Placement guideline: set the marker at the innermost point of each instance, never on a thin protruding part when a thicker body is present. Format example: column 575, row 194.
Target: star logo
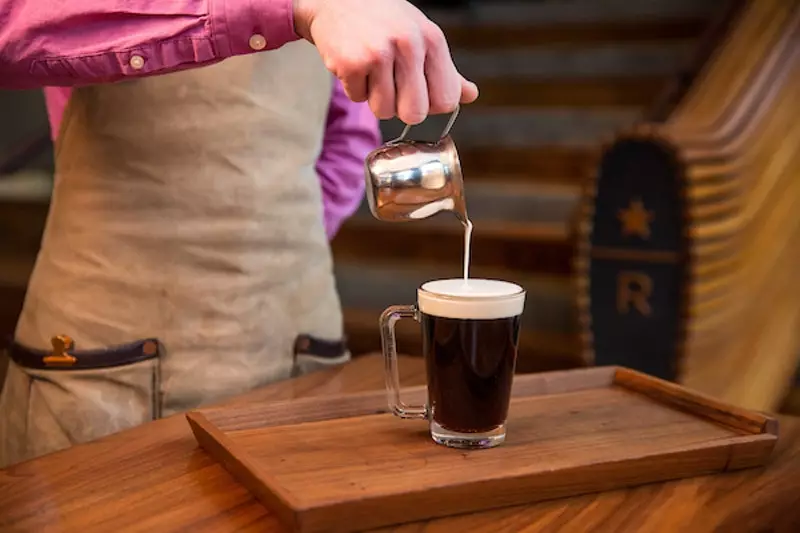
column 636, row 219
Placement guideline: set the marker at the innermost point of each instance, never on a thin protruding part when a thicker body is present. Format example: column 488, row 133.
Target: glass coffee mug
column 470, row 333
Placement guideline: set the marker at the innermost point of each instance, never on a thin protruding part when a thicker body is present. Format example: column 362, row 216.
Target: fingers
column 389, row 54
column 382, row 86
column 413, row 101
column 434, row 85
column 469, row 91
column 410, row 78
column 355, row 87
column 350, row 70
column 443, row 80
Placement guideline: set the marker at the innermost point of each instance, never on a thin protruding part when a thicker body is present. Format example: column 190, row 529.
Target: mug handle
column 389, row 342
column 444, row 134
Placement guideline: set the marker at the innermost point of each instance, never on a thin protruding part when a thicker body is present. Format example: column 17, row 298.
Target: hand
column 387, row 52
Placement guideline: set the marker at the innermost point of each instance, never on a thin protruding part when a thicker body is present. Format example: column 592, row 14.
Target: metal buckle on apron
column 61, row 345
column 65, row 357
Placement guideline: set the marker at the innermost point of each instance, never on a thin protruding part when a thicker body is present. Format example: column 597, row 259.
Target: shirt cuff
column 246, row 26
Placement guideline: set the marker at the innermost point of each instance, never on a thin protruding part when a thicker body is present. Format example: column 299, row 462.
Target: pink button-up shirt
column 59, row 44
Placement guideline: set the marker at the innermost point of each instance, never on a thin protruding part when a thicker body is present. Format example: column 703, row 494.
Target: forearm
column 94, row 41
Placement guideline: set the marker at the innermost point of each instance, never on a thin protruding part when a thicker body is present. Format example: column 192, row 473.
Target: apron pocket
column 77, row 396
column 312, row 354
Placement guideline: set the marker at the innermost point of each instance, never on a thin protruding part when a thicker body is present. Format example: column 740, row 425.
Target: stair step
column 27, row 186
column 598, row 92
column 544, row 13
column 23, row 118
column 518, row 226
column 495, row 200
column 549, row 334
column 561, row 164
column 489, row 36
column 521, row 226
column 22, row 223
column 11, row 299
column 523, row 127
column 525, row 247
column 538, row 351
column 15, row 269
column 550, row 306
column 561, row 62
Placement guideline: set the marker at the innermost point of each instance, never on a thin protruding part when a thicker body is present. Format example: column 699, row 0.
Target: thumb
column 469, row 91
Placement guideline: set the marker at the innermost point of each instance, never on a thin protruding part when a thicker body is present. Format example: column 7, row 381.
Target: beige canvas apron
column 187, row 210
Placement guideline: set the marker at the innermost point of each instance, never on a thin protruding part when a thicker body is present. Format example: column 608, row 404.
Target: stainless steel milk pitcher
column 411, row 180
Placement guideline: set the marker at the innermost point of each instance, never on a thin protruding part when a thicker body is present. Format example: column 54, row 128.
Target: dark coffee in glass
column 470, row 339
column 470, row 366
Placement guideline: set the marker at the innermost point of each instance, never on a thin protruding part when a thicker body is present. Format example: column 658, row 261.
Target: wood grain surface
column 347, row 464
column 156, row 478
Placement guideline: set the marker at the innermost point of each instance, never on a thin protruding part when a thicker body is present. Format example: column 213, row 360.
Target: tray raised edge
column 210, row 424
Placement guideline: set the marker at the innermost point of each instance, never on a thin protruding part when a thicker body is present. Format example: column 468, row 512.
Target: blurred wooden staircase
column 556, row 79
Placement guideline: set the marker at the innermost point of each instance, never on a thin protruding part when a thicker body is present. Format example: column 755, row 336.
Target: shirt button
column 136, row 62
column 258, row 42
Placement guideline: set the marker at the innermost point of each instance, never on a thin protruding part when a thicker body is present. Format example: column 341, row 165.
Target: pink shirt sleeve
column 352, row 132
column 92, row 41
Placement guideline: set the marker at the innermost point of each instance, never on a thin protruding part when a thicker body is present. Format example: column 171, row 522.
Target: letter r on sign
column 634, row 288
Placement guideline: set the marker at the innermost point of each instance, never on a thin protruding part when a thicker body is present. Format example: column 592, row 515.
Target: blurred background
column 586, row 107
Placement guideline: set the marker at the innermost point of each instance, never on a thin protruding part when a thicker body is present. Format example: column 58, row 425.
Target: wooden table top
column 154, row 478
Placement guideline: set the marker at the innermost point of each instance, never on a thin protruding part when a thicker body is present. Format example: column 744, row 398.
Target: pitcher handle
column 444, row 134
column 388, row 339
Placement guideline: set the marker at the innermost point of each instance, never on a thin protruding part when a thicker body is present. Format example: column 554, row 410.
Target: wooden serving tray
column 343, row 463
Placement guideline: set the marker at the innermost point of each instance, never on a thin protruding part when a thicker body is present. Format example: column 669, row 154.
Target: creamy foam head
column 479, row 299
